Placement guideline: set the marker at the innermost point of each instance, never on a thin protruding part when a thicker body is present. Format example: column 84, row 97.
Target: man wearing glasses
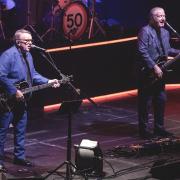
column 16, row 65
column 153, row 45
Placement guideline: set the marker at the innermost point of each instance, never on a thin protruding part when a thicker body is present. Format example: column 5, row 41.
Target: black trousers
column 151, row 97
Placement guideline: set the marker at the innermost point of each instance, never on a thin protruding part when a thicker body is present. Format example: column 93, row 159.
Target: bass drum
column 63, row 3
column 75, row 20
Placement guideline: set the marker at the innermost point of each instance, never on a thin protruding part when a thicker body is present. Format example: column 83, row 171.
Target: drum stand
column 52, row 29
column 28, row 26
column 1, row 27
column 94, row 20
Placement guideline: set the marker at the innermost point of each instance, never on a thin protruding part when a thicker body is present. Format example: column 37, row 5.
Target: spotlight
column 89, row 158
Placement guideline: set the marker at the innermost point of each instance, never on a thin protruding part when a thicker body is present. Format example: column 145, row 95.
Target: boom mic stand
column 28, row 26
column 69, row 165
column 172, row 29
column 94, row 21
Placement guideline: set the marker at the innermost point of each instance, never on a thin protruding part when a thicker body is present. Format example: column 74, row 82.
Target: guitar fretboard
column 38, row 87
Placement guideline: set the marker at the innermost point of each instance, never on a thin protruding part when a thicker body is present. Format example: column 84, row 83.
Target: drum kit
column 76, row 18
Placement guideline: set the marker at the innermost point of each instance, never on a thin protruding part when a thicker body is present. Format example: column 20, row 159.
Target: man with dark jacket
column 153, row 45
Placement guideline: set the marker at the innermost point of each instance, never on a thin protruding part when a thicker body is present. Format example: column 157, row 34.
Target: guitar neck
column 168, row 63
column 37, row 88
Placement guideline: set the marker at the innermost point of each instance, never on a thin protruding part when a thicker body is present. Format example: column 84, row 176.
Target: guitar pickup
column 169, row 70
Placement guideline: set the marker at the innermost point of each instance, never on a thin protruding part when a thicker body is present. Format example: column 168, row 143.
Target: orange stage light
column 109, row 97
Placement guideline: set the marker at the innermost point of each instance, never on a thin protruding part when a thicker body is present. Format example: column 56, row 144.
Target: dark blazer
column 13, row 70
column 149, row 47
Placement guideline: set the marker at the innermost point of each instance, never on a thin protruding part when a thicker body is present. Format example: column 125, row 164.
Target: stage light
column 89, row 158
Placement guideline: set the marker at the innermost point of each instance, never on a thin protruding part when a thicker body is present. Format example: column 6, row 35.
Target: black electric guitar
column 8, row 102
column 164, row 65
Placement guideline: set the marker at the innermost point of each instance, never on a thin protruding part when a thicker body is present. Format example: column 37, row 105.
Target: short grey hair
column 152, row 11
column 19, row 32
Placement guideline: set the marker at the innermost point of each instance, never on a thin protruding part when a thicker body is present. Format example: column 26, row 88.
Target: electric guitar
column 7, row 103
column 164, row 65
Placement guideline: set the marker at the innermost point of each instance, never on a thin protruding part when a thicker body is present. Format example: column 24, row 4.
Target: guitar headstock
column 66, row 79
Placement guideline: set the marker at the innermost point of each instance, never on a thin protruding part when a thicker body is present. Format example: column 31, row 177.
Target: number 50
column 74, row 20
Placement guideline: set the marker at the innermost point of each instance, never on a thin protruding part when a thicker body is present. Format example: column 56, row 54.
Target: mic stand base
column 70, row 167
column 69, row 170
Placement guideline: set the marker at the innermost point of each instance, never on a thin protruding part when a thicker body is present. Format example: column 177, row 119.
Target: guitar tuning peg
column 70, row 77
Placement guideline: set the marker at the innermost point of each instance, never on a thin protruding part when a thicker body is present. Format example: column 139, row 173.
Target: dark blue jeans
column 18, row 117
column 153, row 97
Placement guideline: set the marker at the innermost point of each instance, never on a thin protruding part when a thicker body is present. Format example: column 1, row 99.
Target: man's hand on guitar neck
column 158, row 72
column 19, row 95
column 55, row 83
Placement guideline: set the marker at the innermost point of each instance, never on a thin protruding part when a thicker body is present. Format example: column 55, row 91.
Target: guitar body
column 5, row 106
column 164, row 64
column 7, row 103
column 22, row 85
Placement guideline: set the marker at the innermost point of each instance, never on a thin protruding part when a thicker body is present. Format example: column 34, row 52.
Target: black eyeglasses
column 160, row 16
column 26, row 41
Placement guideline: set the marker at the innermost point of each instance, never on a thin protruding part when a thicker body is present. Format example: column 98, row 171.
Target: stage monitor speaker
column 24, row 178
column 4, row 176
column 89, row 158
column 166, row 169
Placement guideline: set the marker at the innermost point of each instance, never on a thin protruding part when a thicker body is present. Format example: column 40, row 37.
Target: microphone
column 172, row 29
column 37, row 47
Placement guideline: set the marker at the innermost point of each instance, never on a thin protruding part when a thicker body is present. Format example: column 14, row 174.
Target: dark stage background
column 127, row 14
column 96, row 70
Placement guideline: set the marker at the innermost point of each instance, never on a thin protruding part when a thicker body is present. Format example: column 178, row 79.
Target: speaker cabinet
column 89, row 158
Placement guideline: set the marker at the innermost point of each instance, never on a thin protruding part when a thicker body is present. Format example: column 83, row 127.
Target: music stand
column 28, row 26
column 68, row 108
column 74, row 106
column 94, row 21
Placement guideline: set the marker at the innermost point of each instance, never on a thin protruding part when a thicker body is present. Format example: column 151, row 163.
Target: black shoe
column 23, row 162
column 162, row 133
column 146, row 135
column 2, row 169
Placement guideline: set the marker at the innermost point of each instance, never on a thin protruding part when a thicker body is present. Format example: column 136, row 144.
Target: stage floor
column 113, row 125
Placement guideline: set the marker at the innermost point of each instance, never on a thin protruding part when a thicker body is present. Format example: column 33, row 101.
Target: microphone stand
column 172, row 29
column 64, row 77
column 70, row 167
